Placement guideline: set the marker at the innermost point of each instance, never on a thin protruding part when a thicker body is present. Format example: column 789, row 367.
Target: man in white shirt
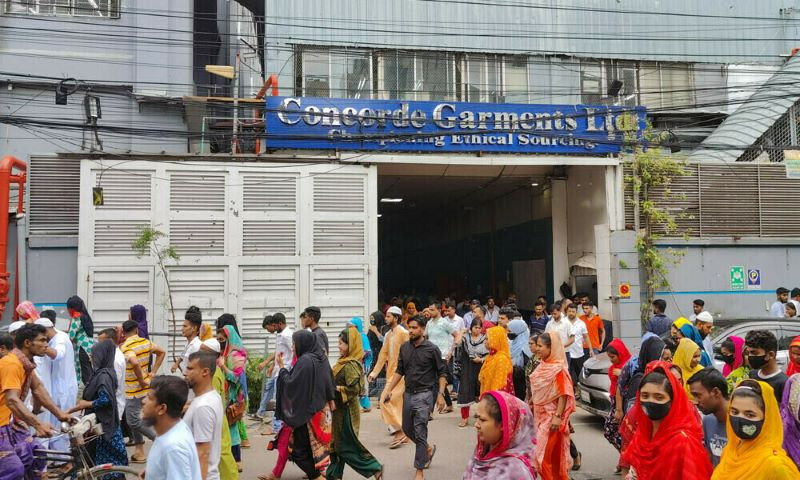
column 778, row 309
column 283, row 349
column 557, row 324
column 470, row 315
column 204, row 415
column 697, row 306
column 492, row 310
column 579, row 335
column 455, row 321
column 63, row 379
column 119, row 367
column 193, row 321
column 705, row 323
column 173, row 455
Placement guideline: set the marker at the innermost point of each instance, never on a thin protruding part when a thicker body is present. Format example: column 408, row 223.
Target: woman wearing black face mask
column 668, row 443
column 736, row 368
column 755, row 437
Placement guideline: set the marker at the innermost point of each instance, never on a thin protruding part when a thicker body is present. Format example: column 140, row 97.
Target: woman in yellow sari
column 687, row 358
column 496, row 372
column 755, row 437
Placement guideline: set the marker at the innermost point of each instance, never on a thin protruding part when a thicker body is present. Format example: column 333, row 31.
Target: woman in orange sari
column 497, row 369
column 553, row 402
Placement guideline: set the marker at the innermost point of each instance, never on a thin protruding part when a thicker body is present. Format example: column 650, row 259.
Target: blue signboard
column 447, row 127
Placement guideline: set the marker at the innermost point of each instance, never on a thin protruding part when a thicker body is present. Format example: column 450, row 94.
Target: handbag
column 234, row 412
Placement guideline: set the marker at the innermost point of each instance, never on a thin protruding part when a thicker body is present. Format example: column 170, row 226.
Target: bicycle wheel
column 100, row 472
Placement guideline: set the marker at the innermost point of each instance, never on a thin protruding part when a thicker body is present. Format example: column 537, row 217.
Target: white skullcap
column 15, row 326
column 705, row 317
column 395, row 311
column 45, row 322
column 213, row 344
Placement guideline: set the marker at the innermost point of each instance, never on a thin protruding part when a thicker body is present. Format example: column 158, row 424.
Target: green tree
column 147, row 244
column 652, row 173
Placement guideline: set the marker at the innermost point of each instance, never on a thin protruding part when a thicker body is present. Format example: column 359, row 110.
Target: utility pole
column 236, row 75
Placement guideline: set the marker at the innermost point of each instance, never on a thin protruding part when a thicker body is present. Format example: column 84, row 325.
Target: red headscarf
column 623, row 356
column 792, row 368
column 738, row 357
column 679, row 438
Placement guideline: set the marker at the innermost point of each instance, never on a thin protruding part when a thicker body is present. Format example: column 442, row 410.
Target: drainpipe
column 7, row 164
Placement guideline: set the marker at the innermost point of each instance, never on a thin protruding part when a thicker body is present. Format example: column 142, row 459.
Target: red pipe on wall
column 7, row 164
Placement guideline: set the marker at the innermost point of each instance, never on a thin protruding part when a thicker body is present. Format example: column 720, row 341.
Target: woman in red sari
column 553, row 401
column 668, row 442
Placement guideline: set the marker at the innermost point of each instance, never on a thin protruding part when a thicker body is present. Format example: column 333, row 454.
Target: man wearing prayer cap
column 704, row 322
column 14, row 326
column 59, row 361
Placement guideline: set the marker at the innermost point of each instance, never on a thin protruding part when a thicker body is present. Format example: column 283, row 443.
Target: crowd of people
column 673, row 414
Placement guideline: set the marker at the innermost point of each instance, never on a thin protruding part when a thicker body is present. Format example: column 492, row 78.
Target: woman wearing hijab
column 366, row 361
column 348, row 376
column 652, row 349
column 794, row 357
column 469, row 358
column 303, row 394
column 689, row 331
column 496, row 371
column 232, row 362
column 735, row 369
column 790, row 413
column 222, row 321
column 755, row 437
column 668, row 443
column 519, row 333
column 687, row 358
column 99, row 397
column 553, row 399
column 676, row 326
column 81, row 330
column 409, row 312
column 619, row 355
column 138, row 313
column 506, row 440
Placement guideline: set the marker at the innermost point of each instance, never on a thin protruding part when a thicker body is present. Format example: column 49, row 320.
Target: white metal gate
column 254, row 238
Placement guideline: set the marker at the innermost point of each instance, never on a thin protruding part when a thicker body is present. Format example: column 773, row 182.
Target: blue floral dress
column 112, row 452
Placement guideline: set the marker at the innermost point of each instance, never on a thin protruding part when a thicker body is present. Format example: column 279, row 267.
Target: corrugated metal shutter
column 339, row 193
column 731, row 200
column 54, row 196
column 339, row 237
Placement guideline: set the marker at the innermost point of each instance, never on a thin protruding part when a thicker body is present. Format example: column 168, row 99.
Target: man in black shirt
column 420, row 362
column 310, row 320
column 762, row 351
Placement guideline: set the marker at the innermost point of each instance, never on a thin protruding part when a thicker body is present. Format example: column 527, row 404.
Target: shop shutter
column 54, row 196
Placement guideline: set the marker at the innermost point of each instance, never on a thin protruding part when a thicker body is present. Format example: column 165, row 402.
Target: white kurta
column 63, row 381
column 43, row 367
column 119, row 369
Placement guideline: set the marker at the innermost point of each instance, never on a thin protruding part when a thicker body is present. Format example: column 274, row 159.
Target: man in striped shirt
column 138, row 372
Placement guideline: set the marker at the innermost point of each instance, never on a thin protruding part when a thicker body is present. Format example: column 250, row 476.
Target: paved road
column 454, row 447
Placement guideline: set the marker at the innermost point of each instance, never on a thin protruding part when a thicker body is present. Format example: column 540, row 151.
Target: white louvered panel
column 197, row 237
column 125, row 190
column 339, row 193
column 276, row 192
column 338, row 282
column 264, row 237
column 339, row 237
column 113, row 291
column 203, row 287
column 729, row 200
column 54, row 196
column 115, row 237
column 269, row 282
column 197, row 191
column 780, row 202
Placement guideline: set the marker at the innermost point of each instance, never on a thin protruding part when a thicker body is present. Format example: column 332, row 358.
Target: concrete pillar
column 558, row 202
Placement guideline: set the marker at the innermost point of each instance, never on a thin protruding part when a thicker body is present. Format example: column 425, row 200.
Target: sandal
column 430, row 457
column 398, row 443
column 379, row 475
column 135, row 459
column 577, row 464
column 463, row 423
column 267, row 477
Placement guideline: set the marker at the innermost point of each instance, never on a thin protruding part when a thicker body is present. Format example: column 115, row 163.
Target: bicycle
column 83, row 432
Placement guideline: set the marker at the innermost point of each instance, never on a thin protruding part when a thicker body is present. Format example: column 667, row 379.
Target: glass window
column 482, row 82
column 592, row 82
column 625, row 72
column 650, row 84
column 516, row 80
column 316, row 74
column 351, row 74
column 78, row 8
column 676, row 85
column 434, row 76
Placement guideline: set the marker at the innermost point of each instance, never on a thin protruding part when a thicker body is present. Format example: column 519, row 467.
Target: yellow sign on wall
column 624, row 290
